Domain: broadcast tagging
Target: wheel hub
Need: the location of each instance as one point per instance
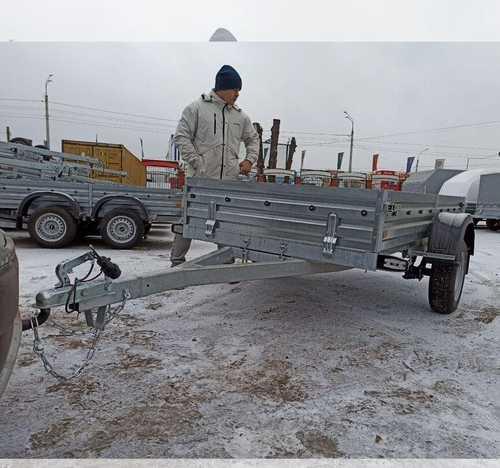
(50, 227)
(121, 229)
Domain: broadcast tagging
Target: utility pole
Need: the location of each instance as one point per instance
(260, 158)
(348, 117)
(291, 151)
(302, 158)
(47, 132)
(142, 149)
(7, 130)
(273, 151)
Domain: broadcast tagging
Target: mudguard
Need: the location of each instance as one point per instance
(67, 200)
(124, 200)
(10, 321)
(448, 230)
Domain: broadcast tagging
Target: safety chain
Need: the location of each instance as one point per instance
(65, 331)
(95, 334)
(39, 351)
(113, 313)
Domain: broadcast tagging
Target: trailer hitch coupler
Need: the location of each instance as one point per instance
(110, 269)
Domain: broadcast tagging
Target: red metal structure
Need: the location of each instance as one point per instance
(163, 174)
(386, 180)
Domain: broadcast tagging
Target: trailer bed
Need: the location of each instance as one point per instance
(349, 227)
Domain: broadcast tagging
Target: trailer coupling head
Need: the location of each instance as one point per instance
(65, 268)
(75, 297)
(69, 293)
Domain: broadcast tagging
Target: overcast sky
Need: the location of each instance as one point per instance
(413, 89)
(250, 20)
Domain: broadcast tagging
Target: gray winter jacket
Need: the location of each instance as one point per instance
(209, 135)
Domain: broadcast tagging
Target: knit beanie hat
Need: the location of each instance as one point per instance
(227, 78)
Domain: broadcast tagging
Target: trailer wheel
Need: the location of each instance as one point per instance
(52, 227)
(122, 229)
(493, 224)
(447, 281)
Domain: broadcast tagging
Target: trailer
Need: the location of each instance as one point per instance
(272, 230)
(428, 181)
(57, 201)
(262, 231)
(488, 201)
(481, 189)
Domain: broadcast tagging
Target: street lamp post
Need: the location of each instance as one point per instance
(47, 131)
(348, 117)
(418, 158)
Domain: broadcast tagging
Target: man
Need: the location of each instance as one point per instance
(209, 135)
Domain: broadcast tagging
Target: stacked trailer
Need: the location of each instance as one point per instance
(20, 161)
(52, 195)
(56, 212)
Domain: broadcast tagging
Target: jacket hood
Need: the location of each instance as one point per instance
(212, 97)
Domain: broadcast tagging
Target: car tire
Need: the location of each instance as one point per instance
(447, 281)
(122, 229)
(52, 227)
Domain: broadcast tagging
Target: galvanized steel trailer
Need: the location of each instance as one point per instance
(53, 195)
(349, 227)
(487, 206)
(56, 211)
(275, 230)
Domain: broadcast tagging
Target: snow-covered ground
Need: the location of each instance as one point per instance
(345, 364)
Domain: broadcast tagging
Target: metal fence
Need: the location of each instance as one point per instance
(163, 177)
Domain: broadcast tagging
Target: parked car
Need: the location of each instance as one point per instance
(10, 321)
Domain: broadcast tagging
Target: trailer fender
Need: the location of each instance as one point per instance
(57, 197)
(448, 230)
(115, 201)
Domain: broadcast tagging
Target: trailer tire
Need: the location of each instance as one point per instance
(493, 224)
(122, 229)
(447, 281)
(52, 227)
